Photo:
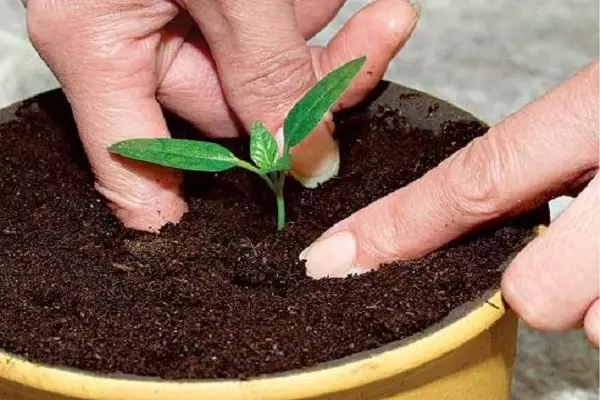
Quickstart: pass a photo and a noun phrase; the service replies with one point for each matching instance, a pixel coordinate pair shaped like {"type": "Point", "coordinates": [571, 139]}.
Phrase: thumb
{"type": "Point", "coordinates": [518, 164]}
{"type": "Point", "coordinates": [265, 67]}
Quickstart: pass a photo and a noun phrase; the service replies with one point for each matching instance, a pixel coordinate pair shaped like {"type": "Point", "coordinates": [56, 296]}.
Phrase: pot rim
{"type": "Point", "coordinates": [350, 372]}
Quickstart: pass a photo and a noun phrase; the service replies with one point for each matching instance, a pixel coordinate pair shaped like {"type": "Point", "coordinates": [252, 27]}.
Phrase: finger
{"type": "Point", "coordinates": [265, 67]}
{"type": "Point", "coordinates": [190, 85]}
{"type": "Point", "coordinates": [525, 160]}
{"type": "Point", "coordinates": [313, 15]}
{"type": "Point", "coordinates": [109, 83]}
{"type": "Point", "coordinates": [378, 31]}
{"type": "Point", "coordinates": [188, 82]}
{"type": "Point", "coordinates": [592, 323]}
{"type": "Point", "coordinates": [553, 282]}
{"type": "Point", "coordinates": [191, 90]}
{"type": "Point", "coordinates": [261, 57]}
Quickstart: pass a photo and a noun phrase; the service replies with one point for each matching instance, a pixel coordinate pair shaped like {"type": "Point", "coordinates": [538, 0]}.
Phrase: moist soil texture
{"type": "Point", "coordinates": [222, 294]}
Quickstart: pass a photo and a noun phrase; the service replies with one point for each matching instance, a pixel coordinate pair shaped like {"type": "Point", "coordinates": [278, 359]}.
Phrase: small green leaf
{"type": "Point", "coordinates": [263, 147]}
{"type": "Point", "coordinates": [285, 162]}
{"type": "Point", "coordinates": [309, 111]}
{"type": "Point", "coordinates": [185, 154]}
{"type": "Point", "coordinates": [282, 164]}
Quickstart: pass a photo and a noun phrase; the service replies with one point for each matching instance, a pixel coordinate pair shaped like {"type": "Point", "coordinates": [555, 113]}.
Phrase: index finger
{"type": "Point", "coordinates": [527, 159]}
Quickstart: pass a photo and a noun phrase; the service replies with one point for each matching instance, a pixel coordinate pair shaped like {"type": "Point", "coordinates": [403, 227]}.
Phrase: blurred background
{"type": "Point", "coordinates": [488, 57]}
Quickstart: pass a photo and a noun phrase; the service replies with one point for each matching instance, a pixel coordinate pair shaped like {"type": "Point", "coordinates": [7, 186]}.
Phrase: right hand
{"type": "Point", "coordinates": [546, 149]}
{"type": "Point", "coordinates": [221, 64]}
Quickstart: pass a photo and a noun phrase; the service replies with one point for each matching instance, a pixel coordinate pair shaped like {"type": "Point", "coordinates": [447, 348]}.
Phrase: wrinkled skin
{"type": "Point", "coordinates": [548, 148]}
{"type": "Point", "coordinates": [221, 64]}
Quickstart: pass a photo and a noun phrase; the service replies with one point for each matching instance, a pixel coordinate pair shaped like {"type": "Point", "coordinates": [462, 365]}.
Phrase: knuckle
{"type": "Point", "coordinates": [475, 178]}
{"type": "Point", "coordinates": [80, 40]}
{"type": "Point", "coordinates": [55, 25]}
{"type": "Point", "coordinates": [277, 80]}
{"type": "Point", "coordinates": [43, 23]}
{"type": "Point", "coordinates": [380, 226]}
{"type": "Point", "coordinates": [591, 324]}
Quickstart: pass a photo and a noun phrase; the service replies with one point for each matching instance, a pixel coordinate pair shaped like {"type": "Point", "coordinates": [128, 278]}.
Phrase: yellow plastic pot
{"type": "Point", "coordinates": [470, 358]}
{"type": "Point", "coordinates": [467, 356]}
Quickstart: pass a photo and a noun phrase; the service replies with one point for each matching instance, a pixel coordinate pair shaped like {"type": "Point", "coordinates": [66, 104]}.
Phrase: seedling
{"type": "Point", "coordinates": [269, 162]}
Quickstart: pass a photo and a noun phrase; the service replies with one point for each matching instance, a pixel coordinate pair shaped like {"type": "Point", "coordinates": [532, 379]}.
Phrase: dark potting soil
{"type": "Point", "coordinates": [222, 295]}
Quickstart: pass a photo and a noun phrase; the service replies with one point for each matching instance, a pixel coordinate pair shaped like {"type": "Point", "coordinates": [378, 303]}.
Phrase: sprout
{"type": "Point", "coordinates": [268, 163]}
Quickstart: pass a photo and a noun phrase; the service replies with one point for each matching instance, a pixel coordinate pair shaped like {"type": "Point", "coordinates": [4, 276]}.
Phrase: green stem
{"type": "Point", "coordinates": [279, 179]}
{"type": "Point", "coordinates": [269, 182]}
{"type": "Point", "coordinates": [246, 165]}
{"type": "Point", "coordinates": [280, 211]}
{"type": "Point", "coordinates": [276, 182]}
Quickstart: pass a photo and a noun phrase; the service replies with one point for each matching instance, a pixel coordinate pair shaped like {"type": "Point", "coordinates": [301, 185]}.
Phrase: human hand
{"type": "Point", "coordinates": [221, 64]}
{"type": "Point", "coordinates": [547, 149]}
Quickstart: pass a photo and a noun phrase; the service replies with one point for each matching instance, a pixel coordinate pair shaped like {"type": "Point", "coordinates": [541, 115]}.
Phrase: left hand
{"type": "Point", "coordinates": [220, 64]}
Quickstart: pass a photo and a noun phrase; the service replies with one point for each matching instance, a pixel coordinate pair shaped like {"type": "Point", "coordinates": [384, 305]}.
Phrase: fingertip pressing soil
{"type": "Point", "coordinates": [222, 295]}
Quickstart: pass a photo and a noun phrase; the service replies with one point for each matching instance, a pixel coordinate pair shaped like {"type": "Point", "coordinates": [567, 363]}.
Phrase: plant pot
{"type": "Point", "coordinates": [467, 354]}
{"type": "Point", "coordinates": [471, 358]}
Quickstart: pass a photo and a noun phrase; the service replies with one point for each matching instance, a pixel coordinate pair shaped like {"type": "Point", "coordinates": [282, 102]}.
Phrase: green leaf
{"type": "Point", "coordinates": [263, 147]}
{"type": "Point", "coordinates": [282, 164]}
{"type": "Point", "coordinates": [309, 111]}
{"type": "Point", "coordinates": [185, 154]}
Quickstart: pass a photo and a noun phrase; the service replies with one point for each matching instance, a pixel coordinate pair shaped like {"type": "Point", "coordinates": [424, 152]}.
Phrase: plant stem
{"type": "Point", "coordinates": [280, 211]}
{"type": "Point", "coordinates": [269, 182]}
{"type": "Point", "coordinates": [279, 181]}
{"type": "Point", "coordinates": [276, 182]}
{"type": "Point", "coordinates": [247, 166]}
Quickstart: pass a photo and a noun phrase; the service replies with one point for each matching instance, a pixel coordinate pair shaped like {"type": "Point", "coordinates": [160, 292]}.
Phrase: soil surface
{"type": "Point", "coordinates": [222, 295]}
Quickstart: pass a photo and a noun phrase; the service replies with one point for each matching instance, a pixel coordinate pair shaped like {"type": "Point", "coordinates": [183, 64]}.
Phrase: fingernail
{"type": "Point", "coordinates": [595, 316]}
{"type": "Point", "coordinates": [279, 141]}
{"type": "Point", "coordinates": [317, 158]}
{"type": "Point", "coordinates": [592, 324]}
{"type": "Point", "coordinates": [401, 19]}
{"type": "Point", "coordinates": [331, 257]}
{"type": "Point", "coordinates": [416, 5]}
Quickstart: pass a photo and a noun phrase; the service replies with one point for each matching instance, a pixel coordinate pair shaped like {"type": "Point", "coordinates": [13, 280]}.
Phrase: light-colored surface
{"type": "Point", "coordinates": [490, 58]}
{"type": "Point", "coordinates": [22, 74]}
